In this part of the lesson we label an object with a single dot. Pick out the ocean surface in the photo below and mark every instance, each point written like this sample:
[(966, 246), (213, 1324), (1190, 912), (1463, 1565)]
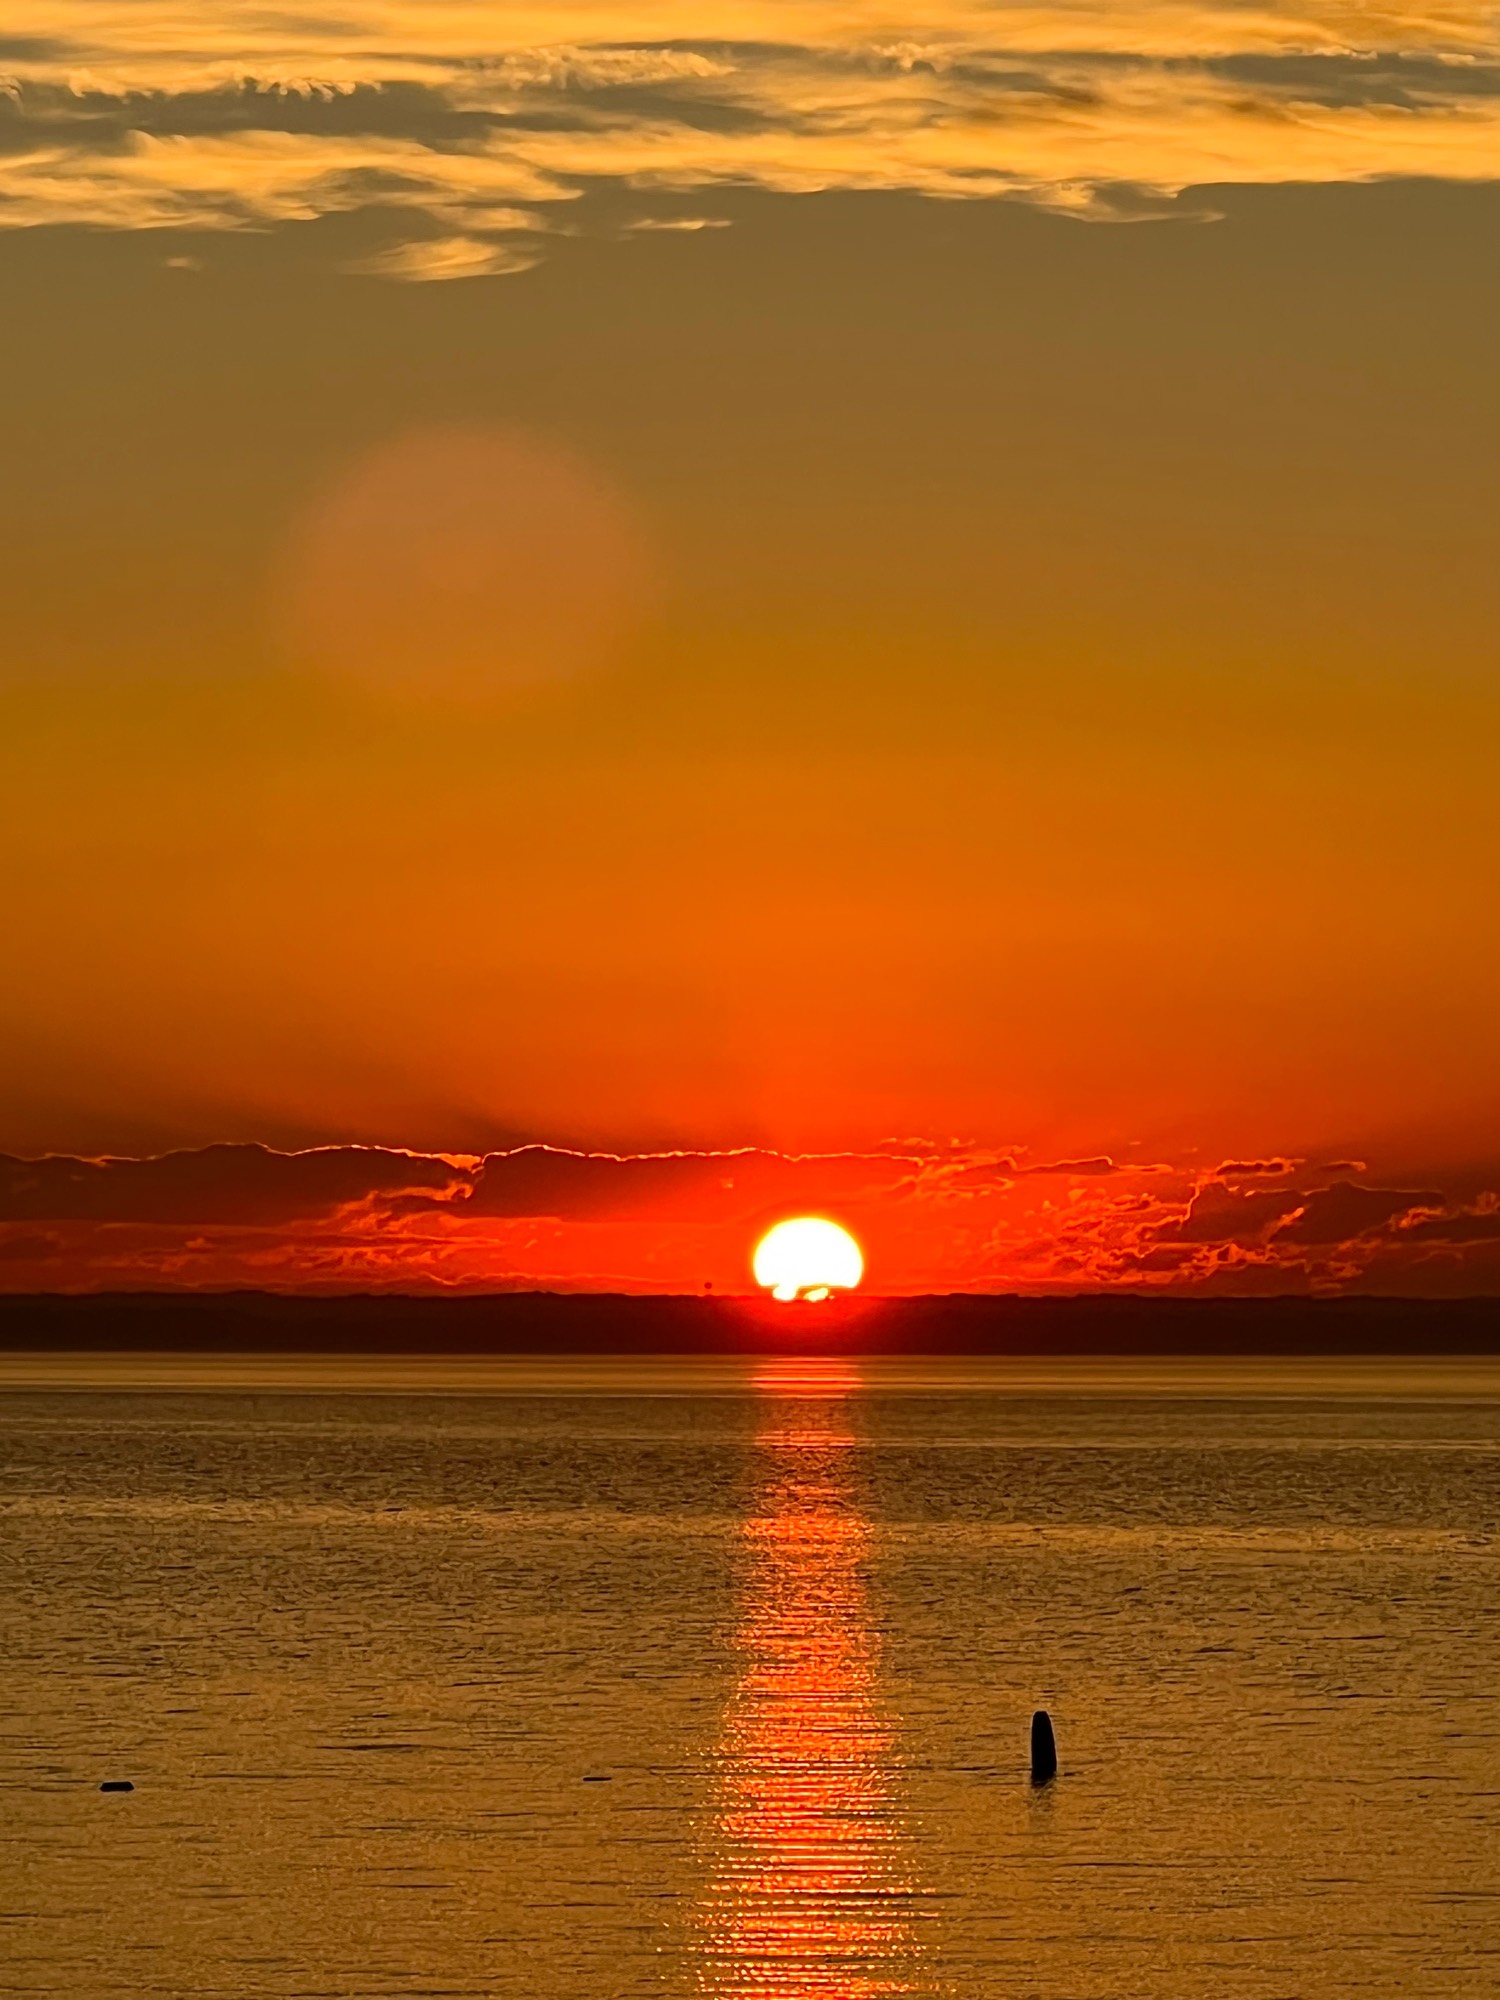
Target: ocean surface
[(596, 1681)]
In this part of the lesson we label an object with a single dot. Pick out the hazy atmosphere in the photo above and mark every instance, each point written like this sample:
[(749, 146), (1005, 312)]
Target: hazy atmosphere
[(911, 591), (749, 961)]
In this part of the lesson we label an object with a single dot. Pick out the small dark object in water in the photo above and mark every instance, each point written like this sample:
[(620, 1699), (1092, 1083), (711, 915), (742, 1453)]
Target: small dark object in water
[(600, 1780), (117, 1785), (1043, 1749)]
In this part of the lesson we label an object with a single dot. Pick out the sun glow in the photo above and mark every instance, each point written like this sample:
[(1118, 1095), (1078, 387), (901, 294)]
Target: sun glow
[(807, 1257)]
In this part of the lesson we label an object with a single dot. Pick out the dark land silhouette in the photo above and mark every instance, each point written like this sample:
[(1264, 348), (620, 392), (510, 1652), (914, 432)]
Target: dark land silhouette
[(594, 1323)]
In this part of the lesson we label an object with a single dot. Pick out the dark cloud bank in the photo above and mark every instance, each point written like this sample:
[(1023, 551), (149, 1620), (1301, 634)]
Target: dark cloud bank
[(356, 1217)]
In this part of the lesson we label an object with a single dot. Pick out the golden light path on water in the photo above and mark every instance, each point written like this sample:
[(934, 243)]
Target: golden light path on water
[(811, 1892)]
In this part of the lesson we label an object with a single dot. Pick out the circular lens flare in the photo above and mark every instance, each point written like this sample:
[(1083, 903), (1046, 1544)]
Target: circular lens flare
[(807, 1257), (463, 564)]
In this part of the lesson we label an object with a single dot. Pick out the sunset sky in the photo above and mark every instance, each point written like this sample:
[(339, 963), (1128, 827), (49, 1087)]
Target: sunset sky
[(631, 619)]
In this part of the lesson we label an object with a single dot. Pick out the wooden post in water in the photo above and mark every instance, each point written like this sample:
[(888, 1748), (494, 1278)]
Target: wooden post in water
[(1043, 1749)]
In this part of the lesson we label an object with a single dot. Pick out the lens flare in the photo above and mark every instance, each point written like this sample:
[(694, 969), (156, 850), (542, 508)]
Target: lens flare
[(807, 1257), (462, 563)]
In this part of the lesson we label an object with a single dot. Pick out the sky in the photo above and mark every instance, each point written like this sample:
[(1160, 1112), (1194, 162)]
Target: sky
[(622, 621)]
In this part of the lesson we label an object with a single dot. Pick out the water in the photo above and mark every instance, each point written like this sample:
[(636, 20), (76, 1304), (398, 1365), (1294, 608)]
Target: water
[(600, 1681)]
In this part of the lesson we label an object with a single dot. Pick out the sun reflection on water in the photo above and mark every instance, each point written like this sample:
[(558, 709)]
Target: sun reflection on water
[(811, 1896)]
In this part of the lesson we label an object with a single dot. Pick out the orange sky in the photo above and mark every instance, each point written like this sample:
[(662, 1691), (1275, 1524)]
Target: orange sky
[(919, 586)]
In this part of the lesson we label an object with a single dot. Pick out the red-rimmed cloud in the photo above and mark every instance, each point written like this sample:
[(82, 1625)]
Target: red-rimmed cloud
[(212, 1184), (932, 1218), (547, 1181)]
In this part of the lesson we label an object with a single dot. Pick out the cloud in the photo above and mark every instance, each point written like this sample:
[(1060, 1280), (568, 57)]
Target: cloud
[(242, 1185), (1339, 1236), (28, 1246), (548, 1181), (254, 179), (439, 257), (933, 1218), (1221, 1216), (235, 118), (250, 1186), (648, 223), (1479, 1224), (1344, 1212)]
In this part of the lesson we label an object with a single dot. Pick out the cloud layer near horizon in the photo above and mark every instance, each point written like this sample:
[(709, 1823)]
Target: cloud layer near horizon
[(475, 127), (931, 1218)]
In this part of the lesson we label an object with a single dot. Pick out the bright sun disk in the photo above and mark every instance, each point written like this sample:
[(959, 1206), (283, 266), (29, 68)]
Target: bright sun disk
[(807, 1257)]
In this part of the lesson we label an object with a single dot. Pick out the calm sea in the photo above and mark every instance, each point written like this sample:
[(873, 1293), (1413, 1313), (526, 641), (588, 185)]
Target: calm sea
[(595, 1681)]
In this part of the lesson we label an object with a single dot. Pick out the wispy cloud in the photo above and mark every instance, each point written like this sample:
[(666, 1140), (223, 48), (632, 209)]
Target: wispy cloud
[(140, 116), (438, 257)]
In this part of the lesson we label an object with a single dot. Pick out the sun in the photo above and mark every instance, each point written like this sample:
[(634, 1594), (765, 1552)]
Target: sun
[(807, 1257)]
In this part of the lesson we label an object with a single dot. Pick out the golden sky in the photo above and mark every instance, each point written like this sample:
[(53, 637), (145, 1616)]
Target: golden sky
[(922, 589), (484, 123)]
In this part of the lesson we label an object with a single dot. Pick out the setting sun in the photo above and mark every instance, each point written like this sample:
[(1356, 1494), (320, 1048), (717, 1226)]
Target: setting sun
[(807, 1258)]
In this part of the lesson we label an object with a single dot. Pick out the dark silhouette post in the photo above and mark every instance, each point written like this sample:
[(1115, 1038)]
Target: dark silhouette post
[(1043, 1749)]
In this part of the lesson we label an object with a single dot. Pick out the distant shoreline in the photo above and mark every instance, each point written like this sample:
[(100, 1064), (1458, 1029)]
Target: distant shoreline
[(543, 1323)]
